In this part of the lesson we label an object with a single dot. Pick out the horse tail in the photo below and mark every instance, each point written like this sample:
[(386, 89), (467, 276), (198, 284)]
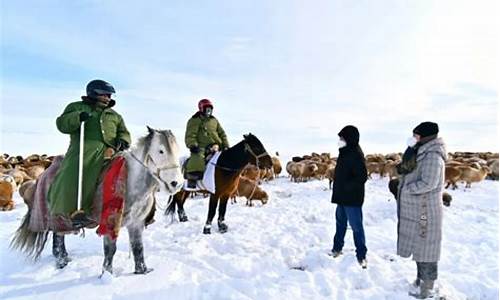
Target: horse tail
[(29, 242)]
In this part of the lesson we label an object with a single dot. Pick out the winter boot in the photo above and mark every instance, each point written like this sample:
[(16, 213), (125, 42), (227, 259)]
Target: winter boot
[(424, 290), (363, 263), (335, 254)]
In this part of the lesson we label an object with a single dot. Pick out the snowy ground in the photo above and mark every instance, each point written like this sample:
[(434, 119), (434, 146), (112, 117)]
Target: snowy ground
[(276, 251)]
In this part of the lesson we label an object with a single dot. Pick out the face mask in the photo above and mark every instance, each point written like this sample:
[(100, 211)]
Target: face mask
[(412, 141), (207, 112), (341, 144)]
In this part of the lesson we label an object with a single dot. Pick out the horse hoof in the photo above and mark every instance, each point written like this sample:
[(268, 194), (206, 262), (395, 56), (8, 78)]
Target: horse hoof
[(206, 230), (222, 228), (61, 263), (183, 219), (144, 271)]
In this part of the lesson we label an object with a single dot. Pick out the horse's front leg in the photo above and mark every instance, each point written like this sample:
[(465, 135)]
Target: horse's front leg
[(59, 250), (109, 246), (180, 206), (222, 213), (212, 206), (135, 236)]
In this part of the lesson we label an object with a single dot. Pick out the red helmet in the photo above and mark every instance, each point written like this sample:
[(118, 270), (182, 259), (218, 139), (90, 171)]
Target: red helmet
[(204, 103)]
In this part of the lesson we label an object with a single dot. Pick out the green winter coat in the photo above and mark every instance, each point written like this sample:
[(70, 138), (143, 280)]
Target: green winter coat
[(103, 129), (202, 131)]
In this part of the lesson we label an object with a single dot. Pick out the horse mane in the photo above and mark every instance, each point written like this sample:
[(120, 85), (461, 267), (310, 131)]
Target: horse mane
[(144, 143)]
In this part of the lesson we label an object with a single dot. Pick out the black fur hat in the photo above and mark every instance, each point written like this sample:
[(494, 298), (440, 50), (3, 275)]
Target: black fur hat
[(426, 129)]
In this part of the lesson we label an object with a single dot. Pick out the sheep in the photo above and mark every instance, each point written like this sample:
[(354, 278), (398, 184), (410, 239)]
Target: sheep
[(322, 169), (7, 189), (35, 171), (470, 175), (374, 167), (19, 175), (251, 171), (27, 192), (493, 165), (294, 170), (307, 169), (452, 175), (249, 189), (276, 166), (266, 174), (389, 169)]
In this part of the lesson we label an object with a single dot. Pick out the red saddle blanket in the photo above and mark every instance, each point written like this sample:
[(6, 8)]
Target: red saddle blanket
[(114, 187)]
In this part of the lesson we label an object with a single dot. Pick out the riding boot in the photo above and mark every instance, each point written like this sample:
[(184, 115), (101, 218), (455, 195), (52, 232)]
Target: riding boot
[(192, 178)]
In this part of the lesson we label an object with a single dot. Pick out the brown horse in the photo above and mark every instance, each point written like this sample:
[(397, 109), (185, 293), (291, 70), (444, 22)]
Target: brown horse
[(227, 174)]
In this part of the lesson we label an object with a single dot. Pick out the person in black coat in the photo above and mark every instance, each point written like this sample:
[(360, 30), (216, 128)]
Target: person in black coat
[(349, 192)]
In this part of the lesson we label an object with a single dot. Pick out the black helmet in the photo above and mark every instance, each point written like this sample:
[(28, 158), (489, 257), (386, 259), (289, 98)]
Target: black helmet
[(99, 87)]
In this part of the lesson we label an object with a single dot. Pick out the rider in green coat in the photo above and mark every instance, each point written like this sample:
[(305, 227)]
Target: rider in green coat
[(203, 131), (105, 133)]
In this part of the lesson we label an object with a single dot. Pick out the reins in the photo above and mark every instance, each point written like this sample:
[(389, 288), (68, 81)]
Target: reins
[(246, 149)]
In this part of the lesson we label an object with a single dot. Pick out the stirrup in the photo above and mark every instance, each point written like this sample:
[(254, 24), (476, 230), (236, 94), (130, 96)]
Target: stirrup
[(79, 219)]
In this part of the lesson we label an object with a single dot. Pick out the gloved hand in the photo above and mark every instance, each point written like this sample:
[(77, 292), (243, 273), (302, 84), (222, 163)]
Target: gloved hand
[(194, 149), (84, 116), (213, 148), (122, 145)]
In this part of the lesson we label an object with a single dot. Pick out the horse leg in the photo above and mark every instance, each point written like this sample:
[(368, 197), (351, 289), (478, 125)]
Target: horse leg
[(222, 212), (135, 235), (59, 250), (180, 207), (212, 206), (109, 246)]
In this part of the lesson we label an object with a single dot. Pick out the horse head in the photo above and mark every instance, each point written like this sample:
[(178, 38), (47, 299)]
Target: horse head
[(258, 153), (161, 157)]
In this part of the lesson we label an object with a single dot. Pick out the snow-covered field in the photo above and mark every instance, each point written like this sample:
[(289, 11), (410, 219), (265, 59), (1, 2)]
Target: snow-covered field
[(275, 251)]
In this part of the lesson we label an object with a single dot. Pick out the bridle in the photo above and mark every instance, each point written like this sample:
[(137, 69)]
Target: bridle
[(249, 150), (155, 174)]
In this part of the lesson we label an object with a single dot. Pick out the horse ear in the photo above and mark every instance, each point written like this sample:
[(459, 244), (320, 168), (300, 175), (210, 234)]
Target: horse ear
[(245, 136), (150, 130)]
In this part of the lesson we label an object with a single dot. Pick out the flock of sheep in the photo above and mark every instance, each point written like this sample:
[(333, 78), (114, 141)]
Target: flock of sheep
[(16, 170), (467, 167)]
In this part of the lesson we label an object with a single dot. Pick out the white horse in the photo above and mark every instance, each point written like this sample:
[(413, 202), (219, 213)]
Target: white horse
[(151, 164)]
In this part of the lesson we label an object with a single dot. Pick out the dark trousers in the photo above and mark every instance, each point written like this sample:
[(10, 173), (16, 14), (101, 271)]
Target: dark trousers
[(427, 270), (354, 215)]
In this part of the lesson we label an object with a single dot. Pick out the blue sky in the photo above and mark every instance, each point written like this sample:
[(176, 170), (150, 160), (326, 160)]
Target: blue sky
[(291, 72)]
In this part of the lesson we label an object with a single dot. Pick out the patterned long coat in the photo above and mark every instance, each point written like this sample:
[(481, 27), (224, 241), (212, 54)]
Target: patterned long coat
[(420, 210)]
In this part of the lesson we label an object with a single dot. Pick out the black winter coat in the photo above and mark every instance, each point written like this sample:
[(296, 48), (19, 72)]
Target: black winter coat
[(350, 177)]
